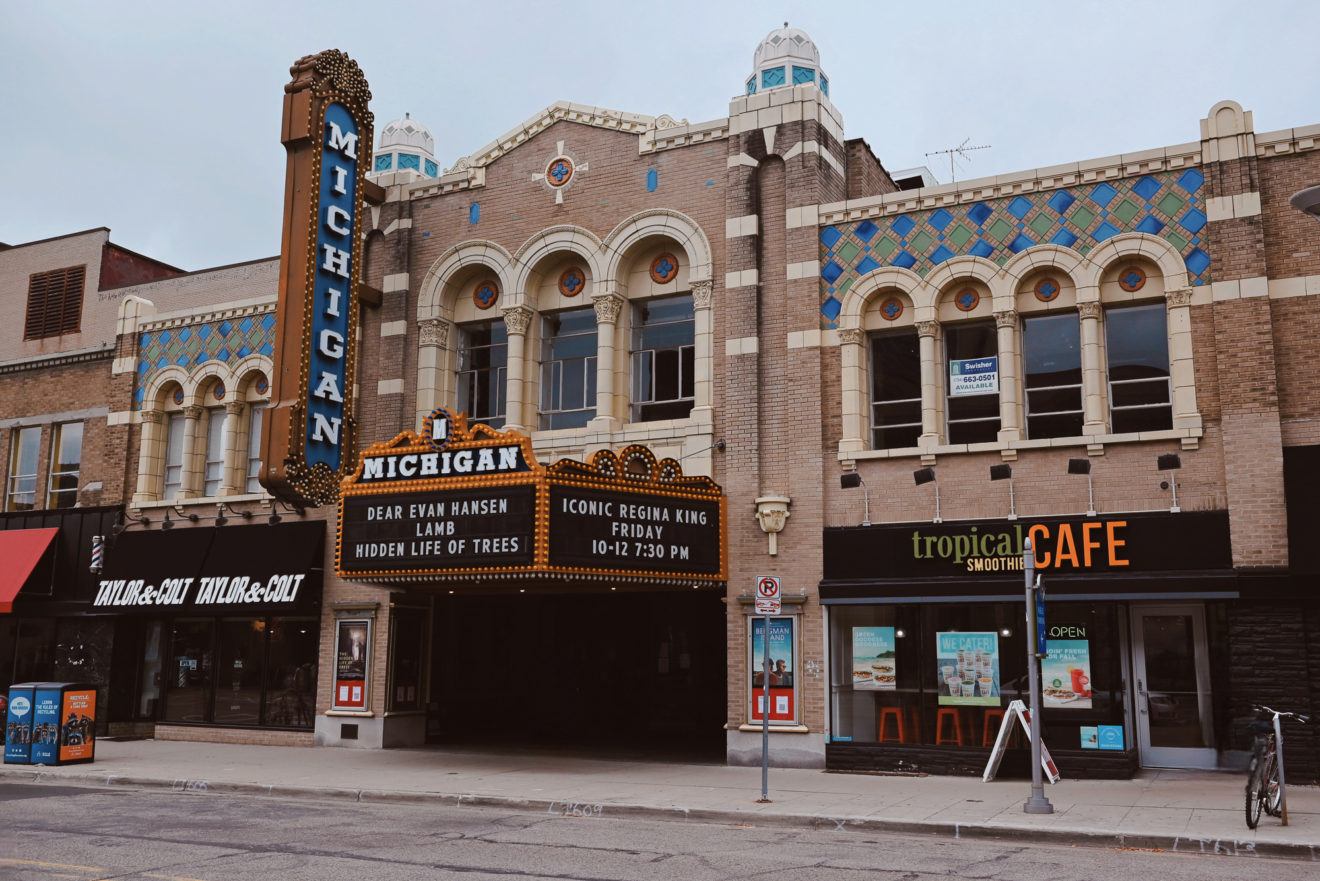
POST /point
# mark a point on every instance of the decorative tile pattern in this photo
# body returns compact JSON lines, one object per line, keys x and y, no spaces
{"x":191,"y":346}
{"x":1165,"y":204}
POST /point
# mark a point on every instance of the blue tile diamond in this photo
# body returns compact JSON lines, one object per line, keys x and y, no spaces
{"x":866,"y":265}
{"x":1192,"y":221}
{"x":1021,"y":243}
{"x":980,"y":213}
{"x":940,"y":254}
{"x":940,"y":219}
{"x":829,"y":236}
{"x":1150,"y":225}
{"x":902,"y":225}
{"x":831,"y":309}
{"x":1146,"y":187}
{"x":1104,"y":231}
{"x":982,"y":249}
{"x":1063,"y":237}
{"x":1103,"y":194}
{"x":1020,"y":207}
{"x":1191,"y":180}
{"x":865,"y":231}
{"x":1061,"y":201}
{"x":831,"y":271}
{"x":1197,"y":261}
{"x":904,"y":259}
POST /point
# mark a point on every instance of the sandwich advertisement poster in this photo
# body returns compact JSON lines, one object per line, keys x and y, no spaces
{"x":873,"y":664}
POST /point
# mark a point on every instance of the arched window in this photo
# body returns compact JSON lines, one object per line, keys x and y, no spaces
{"x":1137,"y":348}
{"x":971,"y":361}
{"x":483,"y":349}
{"x":1052,"y":368}
{"x":895,"y":389}
{"x":568,"y":369}
{"x":663,"y":358}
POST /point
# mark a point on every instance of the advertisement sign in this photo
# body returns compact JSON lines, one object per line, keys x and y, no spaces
{"x":352,"y":663}
{"x":968,"y":668}
{"x":873,"y":665}
{"x":653,"y":531}
{"x":46,"y":725}
{"x":782,"y":705}
{"x":77,"y":730}
{"x":18,"y":726}
{"x":1065,"y":676}
{"x":976,"y":376}
{"x":1110,"y":736}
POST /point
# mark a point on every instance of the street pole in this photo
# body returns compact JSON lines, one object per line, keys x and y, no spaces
{"x":765,"y":712}
{"x":1037,"y":803}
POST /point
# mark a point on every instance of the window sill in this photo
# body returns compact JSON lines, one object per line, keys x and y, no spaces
{"x":205,"y":500}
{"x":776,"y":727}
{"x":1094,"y":443}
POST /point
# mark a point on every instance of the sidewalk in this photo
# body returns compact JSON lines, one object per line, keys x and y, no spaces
{"x":1183,"y":811}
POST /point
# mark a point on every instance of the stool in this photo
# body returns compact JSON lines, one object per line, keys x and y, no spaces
{"x":987,"y":735}
{"x":886,"y":714}
{"x":957,"y":735}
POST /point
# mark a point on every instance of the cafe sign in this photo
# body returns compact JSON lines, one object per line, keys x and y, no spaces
{"x":459,"y":502}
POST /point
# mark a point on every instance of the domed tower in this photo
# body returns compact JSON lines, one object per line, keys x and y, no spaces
{"x":786,"y":57}
{"x":407,"y":150}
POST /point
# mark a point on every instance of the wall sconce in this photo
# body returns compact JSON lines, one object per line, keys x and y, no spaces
{"x":852,"y":480}
{"x":220,"y":518}
{"x":178,"y":509}
{"x":927,"y":475}
{"x":1170,"y":462}
{"x":1083,"y":466}
{"x":771,"y":514}
{"x":288,"y":509}
{"x":1005,"y":472}
{"x":122,"y":521}
{"x":167,"y":523}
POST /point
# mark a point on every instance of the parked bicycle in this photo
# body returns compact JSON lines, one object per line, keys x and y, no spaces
{"x":1265,"y":770}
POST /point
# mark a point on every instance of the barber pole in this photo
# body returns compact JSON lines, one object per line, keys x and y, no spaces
{"x":98,"y":553}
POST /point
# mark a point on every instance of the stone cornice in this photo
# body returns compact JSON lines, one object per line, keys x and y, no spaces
{"x":60,"y":359}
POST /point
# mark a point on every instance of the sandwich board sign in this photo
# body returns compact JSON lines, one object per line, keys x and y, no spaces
{"x":768,"y":595}
{"x":1019,"y":709}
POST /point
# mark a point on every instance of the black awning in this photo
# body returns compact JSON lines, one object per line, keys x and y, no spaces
{"x":1207,"y":584}
{"x":249,"y":570}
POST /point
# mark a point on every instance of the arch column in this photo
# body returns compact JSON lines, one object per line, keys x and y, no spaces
{"x":1093,"y":379}
{"x":856,"y":407}
{"x":194,"y":456}
{"x":151,"y":458}
{"x":930,"y":426}
{"x":703,"y":341}
{"x":517,"y":319}
{"x":608,"y":307}
{"x":230,"y":483}
{"x":1010,"y":424}
{"x":1178,"y":305}
{"x":434,"y":382}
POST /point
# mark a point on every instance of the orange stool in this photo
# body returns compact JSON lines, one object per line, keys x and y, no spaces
{"x":886,"y":714}
{"x":957,"y":734}
{"x":988,"y":735}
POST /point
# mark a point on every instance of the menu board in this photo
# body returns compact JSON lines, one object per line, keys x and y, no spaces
{"x":874,"y":667}
{"x":968,"y":668}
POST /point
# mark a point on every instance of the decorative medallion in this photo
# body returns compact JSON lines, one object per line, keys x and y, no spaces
{"x":1132,"y":279}
{"x":485,"y":294}
{"x":437,"y":428}
{"x":891,"y":308}
{"x":1047,"y":289}
{"x":219,"y":391}
{"x":262,"y":385}
{"x":967,"y":299}
{"x":572,"y":281}
{"x":664,"y":268}
{"x":178,"y":396}
{"x":559,"y":172}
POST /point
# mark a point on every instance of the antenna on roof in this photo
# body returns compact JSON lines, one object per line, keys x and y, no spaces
{"x":960,"y":150}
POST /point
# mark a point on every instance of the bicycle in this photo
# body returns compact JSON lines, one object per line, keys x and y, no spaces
{"x":1265,"y":770}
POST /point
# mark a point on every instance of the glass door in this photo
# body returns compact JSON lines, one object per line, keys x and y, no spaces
{"x":1172,"y":672}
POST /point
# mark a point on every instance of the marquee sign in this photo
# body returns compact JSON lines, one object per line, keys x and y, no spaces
{"x":307,"y":441}
{"x":473,"y":503}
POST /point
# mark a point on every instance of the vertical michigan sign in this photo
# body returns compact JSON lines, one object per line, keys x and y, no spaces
{"x":307,"y":443}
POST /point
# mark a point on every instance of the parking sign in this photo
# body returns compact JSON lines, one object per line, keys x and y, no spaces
{"x":767,"y":595}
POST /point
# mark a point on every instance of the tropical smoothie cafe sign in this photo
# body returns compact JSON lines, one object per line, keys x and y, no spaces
{"x":307,"y":439}
{"x":460,"y":503}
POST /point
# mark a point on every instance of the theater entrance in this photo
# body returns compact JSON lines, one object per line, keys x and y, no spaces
{"x":635,"y":675}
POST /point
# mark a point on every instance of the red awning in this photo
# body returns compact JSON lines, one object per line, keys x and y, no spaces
{"x":20,"y":551}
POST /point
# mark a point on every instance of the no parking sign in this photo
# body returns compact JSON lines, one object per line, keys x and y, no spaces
{"x":768,"y":594}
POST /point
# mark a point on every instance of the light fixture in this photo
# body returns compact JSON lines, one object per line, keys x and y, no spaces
{"x":1083,"y":466}
{"x":927,"y":475}
{"x":1171,"y":462}
{"x":852,"y":480}
{"x":167,"y":523}
{"x":1307,"y":201}
{"x":1006,"y":633}
{"x":1005,"y":472}
{"x":220,"y":518}
{"x":899,"y":633}
{"x":178,"y":509}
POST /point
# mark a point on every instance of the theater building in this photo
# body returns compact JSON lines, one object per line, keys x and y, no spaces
{"x":574,"y":340}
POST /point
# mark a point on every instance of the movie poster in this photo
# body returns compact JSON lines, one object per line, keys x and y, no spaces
{"x":968,"y":668}
{"x":352,"y":653}
{"x":1065,"y":676}
{"x":782,"y":707}
{"x":873,"y":665}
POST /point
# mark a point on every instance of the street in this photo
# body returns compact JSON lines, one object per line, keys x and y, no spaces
{"x":50,"y":831}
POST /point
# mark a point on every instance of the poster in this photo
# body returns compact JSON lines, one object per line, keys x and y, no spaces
{"x":968,"y":668}
{"x":78,"y":726}
{"x":1065,"y":675}
{"x":873,"y":665}
{"x":351,"y":664}
{"x":782,"y":704}
{"x":975,"y":376}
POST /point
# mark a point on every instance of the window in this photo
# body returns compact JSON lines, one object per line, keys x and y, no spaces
{"x":972,"y":397}
{"x":568,"y":369}
{"x":255,"y":413}
{"x":483,"y":354}
{"x":21,"y":494}
{"x":1052,"y":361}
{"x":173,"y":456}
{"x":215,"y":452}
{"x":895,"y":391}
{"x":1137,"y":342}
{"x":54,"y":304}
{"x":663,"y":359}
{"x":65,"y":462}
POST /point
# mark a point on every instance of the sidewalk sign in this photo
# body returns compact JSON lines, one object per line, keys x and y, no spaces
{"x":1019,"y":709}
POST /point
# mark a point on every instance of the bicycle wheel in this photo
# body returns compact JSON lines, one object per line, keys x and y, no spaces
{"x":1255,"y":785}
{"x":1271,"y":793}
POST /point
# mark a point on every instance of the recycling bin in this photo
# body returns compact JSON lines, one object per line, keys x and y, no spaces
{"x":53,"y":723}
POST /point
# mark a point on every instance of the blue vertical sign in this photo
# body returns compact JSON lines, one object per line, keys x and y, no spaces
{"x":1042,"y":640}
{"x":18,"y":725}
{"x":333,"y":300}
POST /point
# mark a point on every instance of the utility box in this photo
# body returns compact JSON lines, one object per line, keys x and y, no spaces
{"x":50,"y":723}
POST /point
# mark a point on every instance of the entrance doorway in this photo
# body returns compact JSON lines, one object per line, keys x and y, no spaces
{"x":1170,"y":664}
{"x":636,"y":675}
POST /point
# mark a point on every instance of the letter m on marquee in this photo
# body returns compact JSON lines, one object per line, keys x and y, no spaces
{"x":308,"y":438}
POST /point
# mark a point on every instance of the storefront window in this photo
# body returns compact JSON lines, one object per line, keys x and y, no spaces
{"x":406,"y":653}
{"x":189,"y":671}
{"x":291,"y":666}
{"x":239,"y":668}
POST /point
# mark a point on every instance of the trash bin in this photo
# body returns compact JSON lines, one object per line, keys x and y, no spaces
{"x":51,"y":723}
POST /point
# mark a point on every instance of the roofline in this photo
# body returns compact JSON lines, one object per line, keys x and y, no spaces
{"x":139,"y":284}
{"x":69,"y":235}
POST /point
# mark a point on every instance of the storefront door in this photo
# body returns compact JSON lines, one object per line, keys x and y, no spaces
{"x":1171,"y":670}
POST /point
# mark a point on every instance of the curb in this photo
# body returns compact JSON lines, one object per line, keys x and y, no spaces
{"x":1004,"y":832}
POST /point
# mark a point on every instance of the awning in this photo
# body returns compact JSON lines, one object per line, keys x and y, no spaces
{"x":20,"y":551}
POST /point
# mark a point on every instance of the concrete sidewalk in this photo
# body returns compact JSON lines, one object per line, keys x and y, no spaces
{"x":1182,"y":811}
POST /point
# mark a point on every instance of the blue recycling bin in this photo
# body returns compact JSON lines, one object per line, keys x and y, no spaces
{"x":18,"y":724}
{"x":50,"y":723}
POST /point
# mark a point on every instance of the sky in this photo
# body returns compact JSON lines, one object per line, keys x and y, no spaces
{"x":161,"y":120}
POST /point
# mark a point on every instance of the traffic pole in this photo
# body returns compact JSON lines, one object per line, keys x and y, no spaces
{"x":765,"y":713}
{"x":1036,"y":803}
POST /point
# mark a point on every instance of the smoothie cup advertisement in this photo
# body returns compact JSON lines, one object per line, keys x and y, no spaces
{"x":873,"y":666}
{"x":1065,"y":676}
{"x":968,"y":668}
